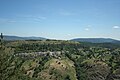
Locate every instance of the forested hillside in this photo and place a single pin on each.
(97, 40)
(59, 60)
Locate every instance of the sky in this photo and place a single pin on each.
(61, 19)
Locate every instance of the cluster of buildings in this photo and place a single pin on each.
(55, 54)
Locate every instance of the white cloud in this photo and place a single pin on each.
(87, 29)
(69, 34)
(39, 19)
(32, 17)
(4, 20)
(42, 17)
(36, 19)
(116, 27)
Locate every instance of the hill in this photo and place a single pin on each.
(96, 40)
(22, 38)
(59, 60)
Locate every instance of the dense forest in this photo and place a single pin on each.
(58, 60)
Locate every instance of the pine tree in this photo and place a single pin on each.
(1, 36)
(1, 39)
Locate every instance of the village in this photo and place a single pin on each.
(55, 54)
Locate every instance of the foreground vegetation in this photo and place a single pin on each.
(59, 60)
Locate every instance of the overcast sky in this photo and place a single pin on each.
(61, 19)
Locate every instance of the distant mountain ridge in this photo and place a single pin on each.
(96, 40)
(6, 37)
(91, 40)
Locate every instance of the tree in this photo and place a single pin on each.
(67, 77)
(1, 39)
(1, 36)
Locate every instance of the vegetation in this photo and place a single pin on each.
(59, 60)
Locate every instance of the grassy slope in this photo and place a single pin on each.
(62, 67)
